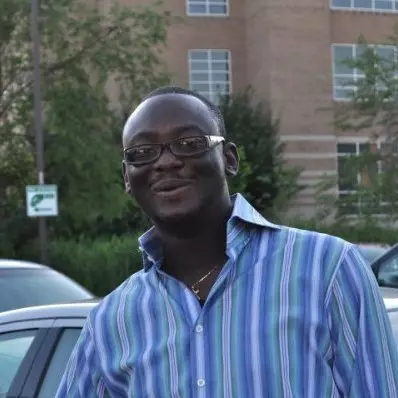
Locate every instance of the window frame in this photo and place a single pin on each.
(358, 142)
(33, 369)
(207, 13)
(355, 75)
(209, 71)
(24, 369)
(364, 9)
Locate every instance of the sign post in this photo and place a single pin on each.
(35, 36)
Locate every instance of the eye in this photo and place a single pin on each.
(141, 152)
(192, 144)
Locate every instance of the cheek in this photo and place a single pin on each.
(212, 167)
(138, 180)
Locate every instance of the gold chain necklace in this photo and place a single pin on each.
(194, 286)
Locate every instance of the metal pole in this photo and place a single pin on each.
(38, 120)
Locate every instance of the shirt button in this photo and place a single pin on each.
(201, 382)
(199, 329)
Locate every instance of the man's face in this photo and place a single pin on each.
(172, 188)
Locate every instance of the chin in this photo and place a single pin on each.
(176, 214)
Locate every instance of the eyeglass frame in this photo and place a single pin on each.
(212, 140)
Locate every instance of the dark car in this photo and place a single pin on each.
(371, 252)
(385, 268)
(24, 284)
(384, 263)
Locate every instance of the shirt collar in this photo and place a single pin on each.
(243, 212)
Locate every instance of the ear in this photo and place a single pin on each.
(231, 158)
(127, 185)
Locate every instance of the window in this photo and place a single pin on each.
(25, 287)
(13, 348)
(371, 5)
(345, 78)
(352, 175)
(58, 362)
(207, 7)
(347, 180)
(210, 73)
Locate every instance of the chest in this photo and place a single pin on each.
(252, 324)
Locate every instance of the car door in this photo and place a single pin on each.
(33, 356)
(20, 343)
(50, 362)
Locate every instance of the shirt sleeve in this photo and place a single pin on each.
(365, 354)
(82, 377)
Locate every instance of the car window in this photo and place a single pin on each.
(13, 348)
(27, 287)
(388, 272)
(58, 362)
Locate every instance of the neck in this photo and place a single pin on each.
(192, 247)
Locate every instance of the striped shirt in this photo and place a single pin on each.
(292, 314)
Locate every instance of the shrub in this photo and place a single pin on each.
(267, 181)
(100, 265)
(360, 233)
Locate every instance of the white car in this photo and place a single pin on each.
(24, 284)
(36, 342)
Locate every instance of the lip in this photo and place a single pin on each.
(170, 185)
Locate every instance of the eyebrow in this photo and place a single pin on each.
(179, 130)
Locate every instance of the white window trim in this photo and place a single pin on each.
(355, 75)
(209, 66)
(372, 9)
(206, 14)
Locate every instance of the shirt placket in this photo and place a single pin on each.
(198, 364)
(201, 387)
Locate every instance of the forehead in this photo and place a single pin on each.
(162, 115)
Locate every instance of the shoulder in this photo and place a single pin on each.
(308, 240)
(113, 305)
(309, 250)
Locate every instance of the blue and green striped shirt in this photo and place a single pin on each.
(292, 314)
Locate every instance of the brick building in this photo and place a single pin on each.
(289, 51)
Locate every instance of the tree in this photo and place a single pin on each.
(373, 109)
(84, 51)
(266, 180)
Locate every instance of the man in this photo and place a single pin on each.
(228, 304)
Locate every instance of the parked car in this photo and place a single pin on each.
(36, 342)
(384, 263)
(386, 268)
(24, 284)
(371, 252)
(35, 345)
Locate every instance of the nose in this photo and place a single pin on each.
(167, 160)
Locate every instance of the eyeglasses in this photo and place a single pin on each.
(138, 155)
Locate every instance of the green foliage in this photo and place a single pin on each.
(100, 265)
(363, 232)
(264, 178)
(372, 109)
(15, 172)
(84, 52)
(239, 183)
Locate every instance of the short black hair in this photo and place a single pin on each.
(214, 110)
